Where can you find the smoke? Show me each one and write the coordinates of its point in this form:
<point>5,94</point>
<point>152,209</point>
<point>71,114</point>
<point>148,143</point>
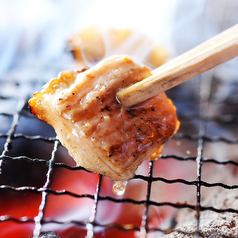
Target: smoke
<point>35,34</point>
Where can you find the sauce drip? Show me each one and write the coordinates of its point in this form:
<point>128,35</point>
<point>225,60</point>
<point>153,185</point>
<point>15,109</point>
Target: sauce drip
<point>119,187</point>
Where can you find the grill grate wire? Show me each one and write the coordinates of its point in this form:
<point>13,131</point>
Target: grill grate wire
<point>202,137</point>
<point>45,190</point>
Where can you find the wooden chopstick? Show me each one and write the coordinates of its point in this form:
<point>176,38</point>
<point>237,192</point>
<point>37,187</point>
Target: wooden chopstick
<point>207,55</point>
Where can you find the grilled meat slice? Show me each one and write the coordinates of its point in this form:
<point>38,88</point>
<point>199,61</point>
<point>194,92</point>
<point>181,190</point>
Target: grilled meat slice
<point>99,133</point>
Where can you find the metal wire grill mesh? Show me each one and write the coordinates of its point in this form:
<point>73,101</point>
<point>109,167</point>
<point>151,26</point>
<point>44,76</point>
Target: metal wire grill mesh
<point>11,136</point>
<point>31,155</point>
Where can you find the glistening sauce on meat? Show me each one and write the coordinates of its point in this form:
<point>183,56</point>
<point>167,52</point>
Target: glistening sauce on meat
<point>99,133</point>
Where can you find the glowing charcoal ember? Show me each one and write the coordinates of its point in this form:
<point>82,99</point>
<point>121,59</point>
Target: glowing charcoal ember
<point>100,134</point>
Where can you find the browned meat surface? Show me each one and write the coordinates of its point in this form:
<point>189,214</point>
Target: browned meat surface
<point>98,132</point>
<point>94,43</point>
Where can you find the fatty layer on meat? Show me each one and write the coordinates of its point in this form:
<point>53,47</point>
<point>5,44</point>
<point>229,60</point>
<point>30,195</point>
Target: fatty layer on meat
<point>99,133</point>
